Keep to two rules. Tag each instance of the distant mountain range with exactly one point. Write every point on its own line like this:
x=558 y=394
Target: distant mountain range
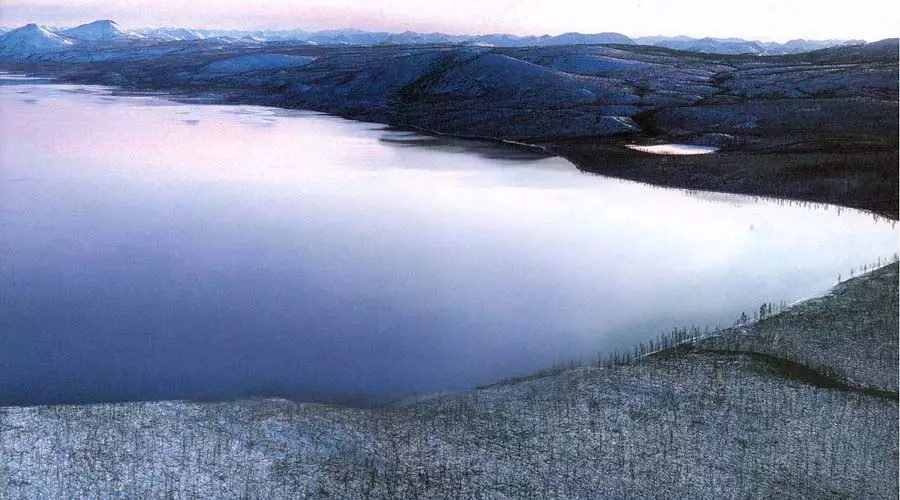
x=360 y=37
x=740 y=46
x=34 y=39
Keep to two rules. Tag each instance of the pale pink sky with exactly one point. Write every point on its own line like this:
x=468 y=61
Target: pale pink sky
x=765 y=19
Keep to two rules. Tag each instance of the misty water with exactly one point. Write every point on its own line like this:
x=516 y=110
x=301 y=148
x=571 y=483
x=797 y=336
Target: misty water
x=151 y=249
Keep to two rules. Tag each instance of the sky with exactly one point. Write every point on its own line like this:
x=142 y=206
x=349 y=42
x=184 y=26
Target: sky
x=768 y=20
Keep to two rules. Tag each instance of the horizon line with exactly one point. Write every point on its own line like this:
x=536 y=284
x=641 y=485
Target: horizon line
x=449 y=33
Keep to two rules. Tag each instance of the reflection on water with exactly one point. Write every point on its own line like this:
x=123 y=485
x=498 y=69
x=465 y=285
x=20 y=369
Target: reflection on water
x=674 y=149
x=144 y=257
x=485 y=149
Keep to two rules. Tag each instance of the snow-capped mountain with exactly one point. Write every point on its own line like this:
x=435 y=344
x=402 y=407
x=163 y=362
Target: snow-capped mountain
x=32 y=39
x=362 y=37
x=103 y=30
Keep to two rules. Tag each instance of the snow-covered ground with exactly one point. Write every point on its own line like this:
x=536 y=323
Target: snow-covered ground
x=694 y=427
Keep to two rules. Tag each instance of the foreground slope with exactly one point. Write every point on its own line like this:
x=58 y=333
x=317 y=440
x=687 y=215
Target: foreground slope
x=702 y=421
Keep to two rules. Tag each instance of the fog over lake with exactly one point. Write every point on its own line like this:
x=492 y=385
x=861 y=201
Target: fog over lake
x=151 y=249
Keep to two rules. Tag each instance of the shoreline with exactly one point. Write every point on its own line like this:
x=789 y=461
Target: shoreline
x=609 y=156
x=723 y=415
x=733 y=172
x=670 y=346
x=832 y=142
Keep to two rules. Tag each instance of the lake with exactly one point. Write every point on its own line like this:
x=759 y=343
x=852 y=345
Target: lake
x=154 y=249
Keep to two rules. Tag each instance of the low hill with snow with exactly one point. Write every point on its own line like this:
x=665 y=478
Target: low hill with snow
x=103 y=30
x=32 y=39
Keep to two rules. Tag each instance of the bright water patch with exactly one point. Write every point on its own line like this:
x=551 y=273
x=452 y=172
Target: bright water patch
x=674 y=149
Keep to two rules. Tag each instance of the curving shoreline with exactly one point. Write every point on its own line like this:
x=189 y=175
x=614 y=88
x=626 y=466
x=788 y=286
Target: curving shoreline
x=819 y=126
x=722 y=417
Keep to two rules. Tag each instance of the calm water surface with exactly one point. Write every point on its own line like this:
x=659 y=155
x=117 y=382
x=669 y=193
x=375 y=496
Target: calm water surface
x=153 y=250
